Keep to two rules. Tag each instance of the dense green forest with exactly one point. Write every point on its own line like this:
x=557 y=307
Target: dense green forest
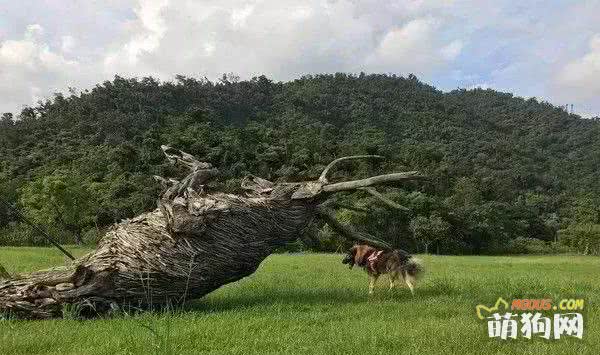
x=507 y=175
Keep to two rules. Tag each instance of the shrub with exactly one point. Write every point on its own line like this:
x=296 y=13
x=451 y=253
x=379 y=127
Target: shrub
x=18 y=234
x=582 y=237
x=330 y=241
x=523 y=245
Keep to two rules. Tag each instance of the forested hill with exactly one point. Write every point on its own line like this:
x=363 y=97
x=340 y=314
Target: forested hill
x=502 y=168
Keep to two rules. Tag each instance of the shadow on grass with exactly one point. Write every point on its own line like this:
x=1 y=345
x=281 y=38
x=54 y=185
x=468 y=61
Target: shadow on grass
x=243 y=299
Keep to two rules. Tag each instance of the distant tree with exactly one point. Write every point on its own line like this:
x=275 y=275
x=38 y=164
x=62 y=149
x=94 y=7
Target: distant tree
x=583 y=232
x=6 y=119
x=585 y=209
x=466 y=194
x=60 y=199
x=552 y=222
x=428 y=230
x=7 y=198
x=582 y=237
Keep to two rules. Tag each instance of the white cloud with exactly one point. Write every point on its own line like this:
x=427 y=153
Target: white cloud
x=415 y=47
x=22 y=52
x=449 y=43
x=282 y=39
x=582 y=75
x=401 y=46
x=30 y=69
x=239 y=16
x=67 y=43
x=145 y=32
x=452 y=50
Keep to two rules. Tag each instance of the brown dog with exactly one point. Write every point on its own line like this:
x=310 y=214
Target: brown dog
x=376 y=262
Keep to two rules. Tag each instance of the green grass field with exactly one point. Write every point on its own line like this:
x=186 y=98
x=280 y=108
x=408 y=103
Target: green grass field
x=312 y=304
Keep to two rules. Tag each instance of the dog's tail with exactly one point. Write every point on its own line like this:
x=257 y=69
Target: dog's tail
x=414 y=267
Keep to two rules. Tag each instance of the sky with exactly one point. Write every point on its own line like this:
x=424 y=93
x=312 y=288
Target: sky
x=544 y=49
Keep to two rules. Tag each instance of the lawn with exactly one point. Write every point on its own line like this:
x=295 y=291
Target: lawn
x=312 y=304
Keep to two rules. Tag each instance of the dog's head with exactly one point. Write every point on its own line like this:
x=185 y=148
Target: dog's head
x=358 y=255
x=349 y=258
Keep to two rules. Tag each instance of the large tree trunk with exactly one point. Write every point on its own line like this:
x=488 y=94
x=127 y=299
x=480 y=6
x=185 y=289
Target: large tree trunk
x=192 y=244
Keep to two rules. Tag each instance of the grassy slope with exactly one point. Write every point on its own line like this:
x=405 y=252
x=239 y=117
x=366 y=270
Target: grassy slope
x=312 y=304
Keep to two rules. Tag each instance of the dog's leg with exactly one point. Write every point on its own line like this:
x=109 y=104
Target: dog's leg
x=410 y=281
x=372 y=280
x=393 y=279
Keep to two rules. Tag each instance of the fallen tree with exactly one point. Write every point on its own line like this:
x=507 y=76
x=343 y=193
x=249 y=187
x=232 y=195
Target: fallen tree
x=193 y=243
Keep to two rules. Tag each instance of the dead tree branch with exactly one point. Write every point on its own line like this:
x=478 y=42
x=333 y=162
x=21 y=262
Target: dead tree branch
x=323 y=179
x=375 y=180
x=347 y=231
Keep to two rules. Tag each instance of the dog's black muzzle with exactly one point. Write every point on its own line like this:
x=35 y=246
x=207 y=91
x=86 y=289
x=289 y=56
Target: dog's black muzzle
x=348 y=259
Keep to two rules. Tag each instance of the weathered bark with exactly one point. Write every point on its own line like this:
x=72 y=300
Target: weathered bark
x=193 y=243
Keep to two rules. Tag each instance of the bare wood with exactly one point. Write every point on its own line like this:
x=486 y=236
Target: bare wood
x=176 y=156
x=375 y=180
x=348 y=232
x=323 y=178
x=257 y=185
